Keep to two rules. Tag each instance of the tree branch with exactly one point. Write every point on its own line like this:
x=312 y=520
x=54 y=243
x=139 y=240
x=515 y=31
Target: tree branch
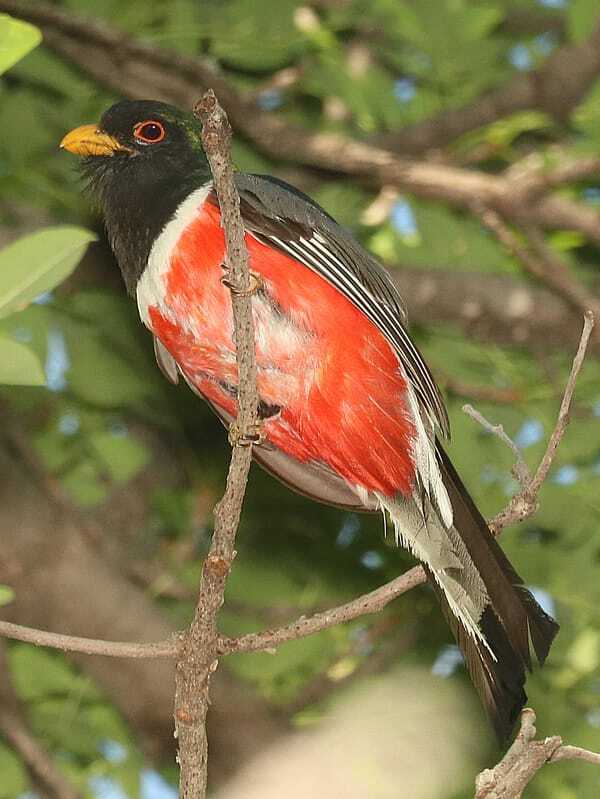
x=88 y=646
x=197 y=658
x=364 y=605
x=501 y=308
x=525 y=502
x=137 y=69
x=555 y=88
x=523 y=505
x=524 y=759
x=540 y=261
x=520 y=468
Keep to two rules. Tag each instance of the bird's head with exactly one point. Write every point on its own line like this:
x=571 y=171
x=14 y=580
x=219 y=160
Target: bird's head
x=141 y=141
x=141 y=160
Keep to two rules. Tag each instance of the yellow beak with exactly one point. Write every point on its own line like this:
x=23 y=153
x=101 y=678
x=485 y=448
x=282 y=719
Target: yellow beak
x=89 y=140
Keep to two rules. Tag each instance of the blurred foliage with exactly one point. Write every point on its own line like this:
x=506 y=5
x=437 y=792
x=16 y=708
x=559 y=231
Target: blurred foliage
x=17 y=38
x=26 y=268
x=361 y=67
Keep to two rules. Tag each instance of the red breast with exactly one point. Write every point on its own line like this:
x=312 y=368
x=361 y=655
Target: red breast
x=334 y=375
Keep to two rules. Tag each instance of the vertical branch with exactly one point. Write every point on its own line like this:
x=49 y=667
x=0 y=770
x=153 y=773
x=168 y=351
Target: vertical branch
x=198 y=656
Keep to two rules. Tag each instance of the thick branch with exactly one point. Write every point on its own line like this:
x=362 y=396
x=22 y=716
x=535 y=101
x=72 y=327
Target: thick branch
x=139 y=70
x=503 y=309
x=540 y=261
x=555 y=88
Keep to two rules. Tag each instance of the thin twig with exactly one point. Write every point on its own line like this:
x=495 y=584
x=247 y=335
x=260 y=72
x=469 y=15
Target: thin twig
x=525 y=502
x=566 y=752
x=520 y=468
x=565 y=407
x=521 y=506
x=373 y=602
x=197 y=658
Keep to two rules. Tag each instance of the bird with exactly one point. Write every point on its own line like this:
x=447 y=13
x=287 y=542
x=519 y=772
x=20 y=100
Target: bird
x=351 y=415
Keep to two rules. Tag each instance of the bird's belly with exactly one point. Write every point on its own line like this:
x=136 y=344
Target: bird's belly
x=329 y=382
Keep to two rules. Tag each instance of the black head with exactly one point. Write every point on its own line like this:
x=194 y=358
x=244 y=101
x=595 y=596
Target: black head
x=141 y=160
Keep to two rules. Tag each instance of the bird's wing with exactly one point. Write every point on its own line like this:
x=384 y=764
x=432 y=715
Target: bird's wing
x=282 y=217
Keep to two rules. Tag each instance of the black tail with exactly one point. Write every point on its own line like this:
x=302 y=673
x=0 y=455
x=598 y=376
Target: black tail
x=509 y=623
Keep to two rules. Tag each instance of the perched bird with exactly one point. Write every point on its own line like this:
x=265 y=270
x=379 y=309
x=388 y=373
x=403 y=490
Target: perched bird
x=351 y=413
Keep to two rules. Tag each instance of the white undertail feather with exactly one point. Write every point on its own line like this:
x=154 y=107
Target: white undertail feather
x=428 y=471
x=420 y=530
x=424 y=525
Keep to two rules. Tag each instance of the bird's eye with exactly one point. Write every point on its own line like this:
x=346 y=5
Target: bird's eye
x=149 y=132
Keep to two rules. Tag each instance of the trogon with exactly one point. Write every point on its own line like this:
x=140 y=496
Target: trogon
x=351 y=413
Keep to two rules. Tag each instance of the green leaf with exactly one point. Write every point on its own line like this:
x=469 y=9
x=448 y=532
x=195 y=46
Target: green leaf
x=581 y=18
x=248 y=35
x=586 y=118
x=584 y=655
x=14 y=780
x=6 y=595
x=98 y=374
x=17 y=39
x=37 y=263
x=37 y=673
x=120 y=456
x=85 y=484
x=19 y=366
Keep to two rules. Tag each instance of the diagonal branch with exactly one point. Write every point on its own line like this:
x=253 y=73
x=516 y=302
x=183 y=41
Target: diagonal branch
x=555 y=88
x=373 y=602
x=540 y=261
x=525 y=502
x=137 y=69
x=523 y=505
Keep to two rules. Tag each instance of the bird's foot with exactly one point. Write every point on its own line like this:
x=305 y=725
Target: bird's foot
x=254 y=435
x=255 y=284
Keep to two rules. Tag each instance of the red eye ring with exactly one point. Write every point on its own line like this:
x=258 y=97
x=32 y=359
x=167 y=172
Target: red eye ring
x=149 y=132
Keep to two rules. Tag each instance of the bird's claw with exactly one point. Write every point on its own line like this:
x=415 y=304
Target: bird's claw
x=254 y=435
x=255 y=285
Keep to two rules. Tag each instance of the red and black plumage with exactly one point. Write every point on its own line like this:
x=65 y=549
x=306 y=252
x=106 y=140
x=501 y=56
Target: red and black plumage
x=352 y=415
